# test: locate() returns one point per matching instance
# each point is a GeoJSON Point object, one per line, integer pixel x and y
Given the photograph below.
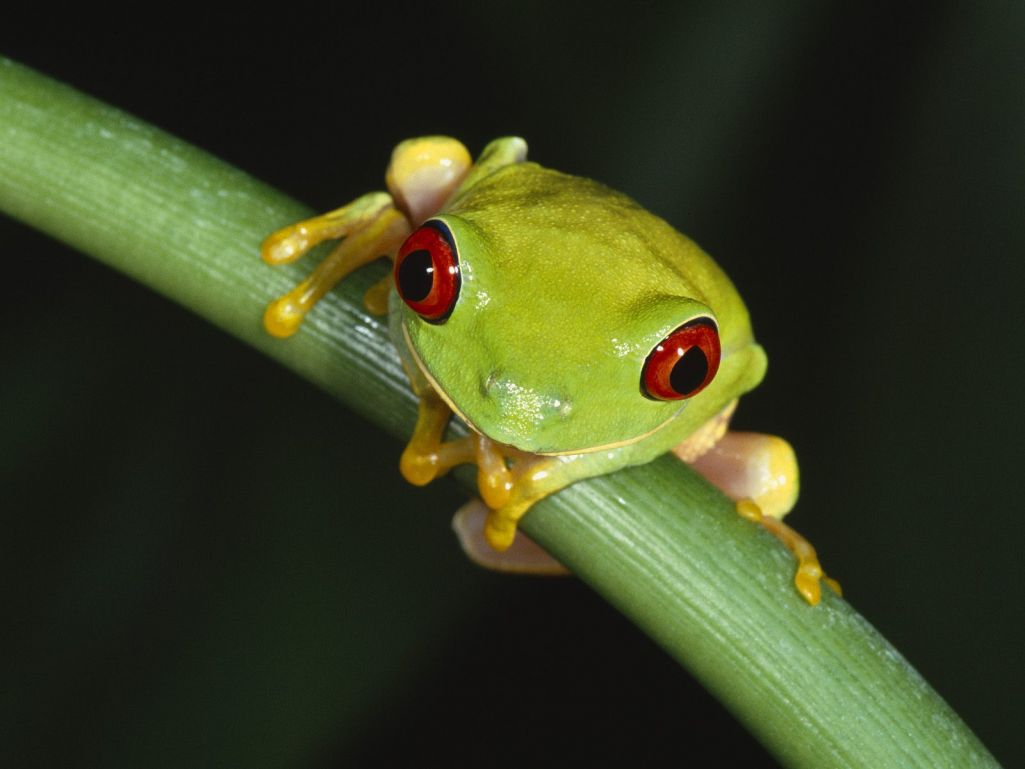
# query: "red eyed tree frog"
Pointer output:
{"type": "Point", "coordinates": [654, 344]}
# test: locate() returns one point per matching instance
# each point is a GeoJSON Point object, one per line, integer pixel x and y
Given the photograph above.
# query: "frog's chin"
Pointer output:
{"type": "Point", "coordinates": [519, 446]}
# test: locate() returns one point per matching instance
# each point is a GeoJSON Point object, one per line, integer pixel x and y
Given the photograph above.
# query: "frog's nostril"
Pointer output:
{"type": "Point", "coordinates": [488, 383]}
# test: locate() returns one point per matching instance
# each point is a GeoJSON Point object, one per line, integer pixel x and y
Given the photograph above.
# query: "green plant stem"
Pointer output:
{"type": "Point", "coordinates": [818, 686]}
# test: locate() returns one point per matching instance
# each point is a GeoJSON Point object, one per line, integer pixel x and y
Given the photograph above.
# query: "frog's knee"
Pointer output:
{"type": "Point", "coordinates": [762, 468]}
{"type": "Point", "coordinates": [424, 172]}
{"type": "Point", "coordinates": [774, 465]}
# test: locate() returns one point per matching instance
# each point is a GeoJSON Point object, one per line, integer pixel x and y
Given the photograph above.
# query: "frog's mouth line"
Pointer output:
{"type": "Point", "coordinates": [459, 413]}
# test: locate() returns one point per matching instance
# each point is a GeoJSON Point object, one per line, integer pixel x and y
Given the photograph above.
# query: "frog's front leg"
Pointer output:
{"type": "Point", "coordinates": [534, 478]}
{"type": "Point", "coordinates": [487, 529]}
{"type": "Point", "coordinates": [489, 534]}
{"type": "Point", "coordinates": [505, 495]}
{"type": "Point", "coordinates": [427, 456]}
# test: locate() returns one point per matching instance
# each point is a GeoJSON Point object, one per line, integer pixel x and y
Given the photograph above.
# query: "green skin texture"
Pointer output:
{"type": "Point", "coordinates": [567, 286]}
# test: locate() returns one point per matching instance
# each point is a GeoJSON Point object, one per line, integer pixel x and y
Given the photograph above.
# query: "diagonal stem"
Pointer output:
{"type": "Point", "coordinates": [819, 687]}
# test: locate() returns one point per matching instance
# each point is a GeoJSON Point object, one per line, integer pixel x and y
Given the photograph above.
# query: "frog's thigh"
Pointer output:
{"type": "Point", "coordinates": [524, 556]}
{"type": "Point", "coordinates": [762, 468]}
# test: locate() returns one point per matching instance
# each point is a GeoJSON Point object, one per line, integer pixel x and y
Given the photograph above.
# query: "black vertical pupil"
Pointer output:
{"type": "Point", "coordinates": [416, 275]}
{"type": "Point", "coordinates": [690, 371]}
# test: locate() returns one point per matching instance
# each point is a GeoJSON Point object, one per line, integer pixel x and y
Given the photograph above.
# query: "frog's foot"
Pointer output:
{"type": "Point", "coordinates": [809, 571]}
{"type": "Point", "coordinates": [426, 457]}
{"type": "Point", "coordinates": [422, 175]}
{"type": "Point", "coordinates": [501, 525]}
{"type": "Point", "coordinates": [507, 492]}
{"type": "Point", "coordinates": [534, 477]}
{"type": "Point", "coordinates": [523, 556]}
{"type": "Point", "coordinates": [371, 227]}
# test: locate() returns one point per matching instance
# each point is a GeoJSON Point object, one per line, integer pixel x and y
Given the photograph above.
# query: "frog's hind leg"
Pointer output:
{"type": "Point", "coordinates": [809, 571]}
{"type": "Point", "coordinates": [425, 172]}
{"type": "Point", "coordinates": [422, 175]}
{"type": "Point", "coordinates": [762, 468]}
{"type": "Point", "coordinates": [372, 228]}
{"type": "Point", "coordinates": [759, 472]}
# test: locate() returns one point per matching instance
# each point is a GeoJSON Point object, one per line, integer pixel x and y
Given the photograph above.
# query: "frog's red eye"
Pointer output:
{"type": "Point", "coordinates": [427, 272]}
{"type": "Point", "coordinates": [683, 363]}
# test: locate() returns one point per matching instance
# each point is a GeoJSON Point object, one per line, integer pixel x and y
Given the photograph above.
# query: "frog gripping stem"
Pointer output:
{"type": "Point", "coordinates": [526, 440]}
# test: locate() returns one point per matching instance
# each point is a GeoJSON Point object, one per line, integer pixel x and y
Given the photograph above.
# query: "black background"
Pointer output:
{"type": "Point", "coordinates": [175, 595]}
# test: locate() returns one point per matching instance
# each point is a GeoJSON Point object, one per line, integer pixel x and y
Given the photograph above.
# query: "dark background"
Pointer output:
{"type": "Point", "coordinates": [176, 595]}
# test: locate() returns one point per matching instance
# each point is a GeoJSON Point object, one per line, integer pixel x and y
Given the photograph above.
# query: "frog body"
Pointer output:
{"type": "Point", "coordinates": [561, 302]}
{"type": "Point", "coordinates": [571, 330]}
